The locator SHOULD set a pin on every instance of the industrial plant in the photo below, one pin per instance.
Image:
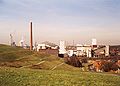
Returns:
(63, 50)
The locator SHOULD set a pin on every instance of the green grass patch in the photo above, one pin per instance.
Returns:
(7, 48)
(30, 77)
(14, 55)
(28, 62)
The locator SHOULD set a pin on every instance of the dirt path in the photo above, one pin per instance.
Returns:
(34, 64)
(57, 66)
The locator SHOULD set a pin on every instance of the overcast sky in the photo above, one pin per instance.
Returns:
(54, 20)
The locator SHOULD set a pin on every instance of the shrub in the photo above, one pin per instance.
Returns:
(74, 61)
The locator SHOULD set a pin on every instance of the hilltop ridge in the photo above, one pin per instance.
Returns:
(22, 58)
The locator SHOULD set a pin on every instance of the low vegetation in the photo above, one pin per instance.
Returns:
(19, 67)
(21, 58)
(31, 77)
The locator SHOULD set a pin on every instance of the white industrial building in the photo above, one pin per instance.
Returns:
(78, 50)
(46, 45)
(71, 52)
(94, 43)
(41, 46)
(22, 43)
(83, 50)
(62, 47)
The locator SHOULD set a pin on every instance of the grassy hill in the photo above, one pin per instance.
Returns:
(20, 67)
(21, 58)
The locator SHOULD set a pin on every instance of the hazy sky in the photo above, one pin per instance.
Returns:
(54, 20)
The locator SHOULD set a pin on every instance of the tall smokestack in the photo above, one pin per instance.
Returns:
(31, 37)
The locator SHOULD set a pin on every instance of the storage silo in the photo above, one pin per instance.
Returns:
(62, 50)
(94, 43)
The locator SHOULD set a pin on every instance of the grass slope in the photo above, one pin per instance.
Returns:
(30, 77)
(28, 62)
(18, 57)
(8, 53)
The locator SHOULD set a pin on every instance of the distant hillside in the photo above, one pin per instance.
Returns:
(21, 58)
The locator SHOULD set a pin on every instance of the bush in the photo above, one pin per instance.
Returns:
(84, 60)
(74, 61)
(107, 66)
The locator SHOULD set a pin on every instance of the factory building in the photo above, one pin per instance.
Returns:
(71, 51)
(78, 50)
(83, 50)
(107, 51)
(48, 48)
